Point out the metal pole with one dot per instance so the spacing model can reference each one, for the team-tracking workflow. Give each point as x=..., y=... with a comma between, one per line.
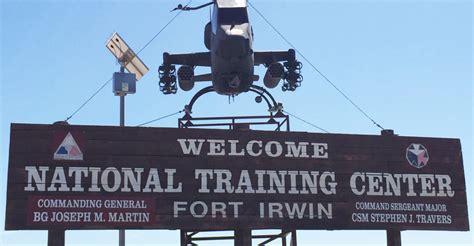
x=293, y=238
x=122, y=123
x=56, y=237
x=283, y=238
x=183, y=237
x=394, y=238
x=243, y=237
x=122, y=110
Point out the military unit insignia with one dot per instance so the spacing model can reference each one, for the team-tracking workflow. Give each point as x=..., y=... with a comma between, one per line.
x=417, y=155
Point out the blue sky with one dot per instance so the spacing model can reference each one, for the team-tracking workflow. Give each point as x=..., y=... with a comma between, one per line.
x=407, y=63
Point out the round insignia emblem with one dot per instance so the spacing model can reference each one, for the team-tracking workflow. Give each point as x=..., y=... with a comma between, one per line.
x=417, y=155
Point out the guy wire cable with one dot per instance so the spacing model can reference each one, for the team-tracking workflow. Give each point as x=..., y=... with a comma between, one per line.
x=314, y=67
x=307, y=122
x=139, y=51
x=160, y=118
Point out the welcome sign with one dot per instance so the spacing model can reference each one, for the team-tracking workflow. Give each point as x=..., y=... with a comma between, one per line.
x=97, y=177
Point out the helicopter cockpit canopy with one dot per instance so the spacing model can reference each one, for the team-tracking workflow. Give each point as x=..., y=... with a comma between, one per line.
x=232, y=16
x=231, y=4
x=233, y=12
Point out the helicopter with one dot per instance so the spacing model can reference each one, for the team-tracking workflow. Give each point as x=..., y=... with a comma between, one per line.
x=229, y=36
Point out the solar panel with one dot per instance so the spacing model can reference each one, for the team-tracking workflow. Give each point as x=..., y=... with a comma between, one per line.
x=125, y=55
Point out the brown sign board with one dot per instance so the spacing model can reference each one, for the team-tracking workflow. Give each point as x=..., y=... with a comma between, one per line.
x=101, y=177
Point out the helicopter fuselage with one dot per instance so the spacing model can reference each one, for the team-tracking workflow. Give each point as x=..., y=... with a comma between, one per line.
x=231, y=51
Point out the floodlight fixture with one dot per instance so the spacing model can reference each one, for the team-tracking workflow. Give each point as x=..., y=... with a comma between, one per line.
x=126, y=57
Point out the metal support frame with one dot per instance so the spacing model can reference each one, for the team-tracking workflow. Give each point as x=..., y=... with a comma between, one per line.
x=264, y=94
x=241, y=237
x=276, y=116
x=279, y=120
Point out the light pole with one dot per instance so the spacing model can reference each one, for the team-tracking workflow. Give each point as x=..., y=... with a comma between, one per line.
x=122, y=102
x=125, y=83
x=122, y=124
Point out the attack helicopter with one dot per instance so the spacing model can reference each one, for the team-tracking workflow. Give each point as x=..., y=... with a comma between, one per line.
x=229, y=36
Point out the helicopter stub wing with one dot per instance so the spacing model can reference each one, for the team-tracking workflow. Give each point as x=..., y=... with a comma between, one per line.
x=268, y=57
x=208, y=77
x=202, y=59
x=203, y=77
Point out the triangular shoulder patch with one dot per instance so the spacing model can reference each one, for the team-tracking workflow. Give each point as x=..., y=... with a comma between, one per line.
x=68, y=150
